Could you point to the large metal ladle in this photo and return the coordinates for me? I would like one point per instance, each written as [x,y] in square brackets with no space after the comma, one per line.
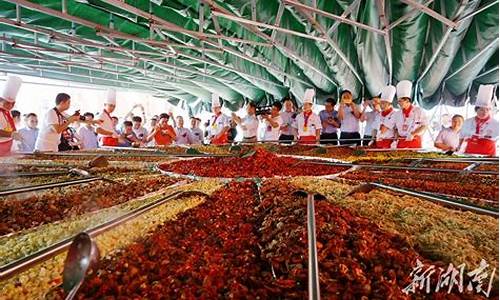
[83,255]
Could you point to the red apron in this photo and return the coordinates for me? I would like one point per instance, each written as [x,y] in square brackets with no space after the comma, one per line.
[476,145]
[384,144]
[5,147]
[222,139]
[415,143]
[310,139]
[109,141]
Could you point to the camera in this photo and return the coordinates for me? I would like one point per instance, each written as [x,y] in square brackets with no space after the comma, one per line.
[263,110]
[77,113]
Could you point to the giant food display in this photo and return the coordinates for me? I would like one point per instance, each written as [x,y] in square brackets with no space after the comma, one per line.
[219,222]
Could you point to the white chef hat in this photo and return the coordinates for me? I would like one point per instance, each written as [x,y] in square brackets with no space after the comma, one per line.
[485,95]
[11,88]
[404,88]
[111,98]
[215,101]
[388,93]
[309,96]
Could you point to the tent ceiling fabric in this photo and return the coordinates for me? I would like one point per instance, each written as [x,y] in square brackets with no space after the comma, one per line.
[185,50]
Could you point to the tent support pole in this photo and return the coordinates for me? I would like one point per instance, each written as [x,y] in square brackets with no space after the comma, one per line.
[431,13]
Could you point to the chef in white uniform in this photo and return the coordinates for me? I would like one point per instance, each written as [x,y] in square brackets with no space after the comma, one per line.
[8,130]
[106,131]
[480,133]
[249,124]
[386,120]
[218,125]
[307,123]
[411,120]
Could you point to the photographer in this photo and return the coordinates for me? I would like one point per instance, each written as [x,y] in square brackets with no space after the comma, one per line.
[329,122]
[55,122]
[349,116]
[288,118]
[249,124]
[272,123]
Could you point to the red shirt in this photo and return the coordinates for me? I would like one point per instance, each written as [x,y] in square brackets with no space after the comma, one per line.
[162,136]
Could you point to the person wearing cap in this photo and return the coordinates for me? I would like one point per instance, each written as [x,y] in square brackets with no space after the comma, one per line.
[56,121]
[448,139]
[386,120]
[349,116]
[183,135]
[8,132]
[249,124]
[164,133]
[370,119]
[411,121]
[329,122]
[195,131]
[219,123]
[108,136]
[480,133]
[287,132]
[307,123]
[272,123]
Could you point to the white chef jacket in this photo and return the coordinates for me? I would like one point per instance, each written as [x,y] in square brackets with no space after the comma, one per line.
[249,126]
[350,123]
[48,138]
[313,124]
[271,133]
[489,130]
[406,126]
[217,124]
[388,121]
[107,123]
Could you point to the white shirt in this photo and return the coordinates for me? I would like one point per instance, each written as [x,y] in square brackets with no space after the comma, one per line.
[88,137]
[272,133]
[29,137]
[288,119]
[5,125]
[183,136]
[48,138]
[196,136]
[313,124]
[489,129]
[217,124]
[249,126]
[388,121]
[107,123]
[141,133]
[350,123]
[416,119]
[449,137]
[371,122]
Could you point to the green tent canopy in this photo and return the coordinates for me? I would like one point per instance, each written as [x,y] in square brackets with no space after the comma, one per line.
[260,50]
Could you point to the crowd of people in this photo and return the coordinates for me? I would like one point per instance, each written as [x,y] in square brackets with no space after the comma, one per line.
[337,124]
